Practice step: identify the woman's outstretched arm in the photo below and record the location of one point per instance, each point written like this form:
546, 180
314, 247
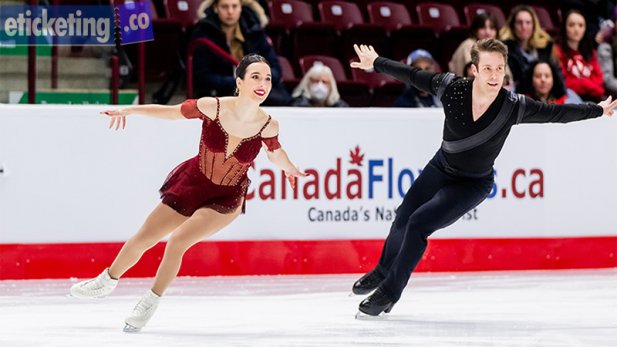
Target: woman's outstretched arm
118, 116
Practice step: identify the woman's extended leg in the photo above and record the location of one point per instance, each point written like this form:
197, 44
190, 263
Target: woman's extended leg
161, 221
203, 223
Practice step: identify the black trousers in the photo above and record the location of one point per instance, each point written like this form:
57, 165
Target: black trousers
438, 198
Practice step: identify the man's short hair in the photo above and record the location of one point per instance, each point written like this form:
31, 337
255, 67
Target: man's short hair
488, 45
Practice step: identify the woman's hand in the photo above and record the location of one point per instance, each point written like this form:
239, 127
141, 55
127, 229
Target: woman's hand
118, 118
608, 105
367, 56
293, 175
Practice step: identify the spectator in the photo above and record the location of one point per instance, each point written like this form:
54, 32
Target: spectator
483, 26
593, 11
526, 40
578, 58
607, 41
411, 96
544, 83
237, 27
318, 89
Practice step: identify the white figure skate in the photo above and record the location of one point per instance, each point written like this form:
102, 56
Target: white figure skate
96, 288
142, 312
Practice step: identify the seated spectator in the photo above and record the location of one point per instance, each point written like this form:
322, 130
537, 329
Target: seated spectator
526, 41
594, 11
483, 26
412, 97
317, 89
607, 43
544, 83
237, 27
578, 58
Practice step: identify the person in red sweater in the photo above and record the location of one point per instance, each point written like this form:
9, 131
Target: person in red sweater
578, 58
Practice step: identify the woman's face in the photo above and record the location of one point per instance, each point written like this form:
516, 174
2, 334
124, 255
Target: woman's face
487, 31
542, 79
257, 81
523, 26
575, 27
319, 86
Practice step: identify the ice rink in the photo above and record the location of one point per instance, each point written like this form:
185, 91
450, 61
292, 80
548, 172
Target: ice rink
530, 308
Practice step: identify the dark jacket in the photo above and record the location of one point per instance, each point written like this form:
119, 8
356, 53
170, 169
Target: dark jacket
213, 74
517, 61
412, 97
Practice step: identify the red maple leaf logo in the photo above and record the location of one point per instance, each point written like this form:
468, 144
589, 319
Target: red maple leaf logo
356, 157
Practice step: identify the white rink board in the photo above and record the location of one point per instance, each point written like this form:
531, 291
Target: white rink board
67, 178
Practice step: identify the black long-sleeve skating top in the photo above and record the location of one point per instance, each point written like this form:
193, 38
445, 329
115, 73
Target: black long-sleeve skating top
459, 123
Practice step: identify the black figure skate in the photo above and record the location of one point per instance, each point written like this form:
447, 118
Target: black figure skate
375, 304
367, 283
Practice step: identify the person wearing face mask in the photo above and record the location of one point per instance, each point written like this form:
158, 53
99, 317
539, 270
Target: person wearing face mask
544, 83
317, 89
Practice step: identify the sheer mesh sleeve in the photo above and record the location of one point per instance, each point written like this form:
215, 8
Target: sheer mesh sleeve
189, 109
272, 143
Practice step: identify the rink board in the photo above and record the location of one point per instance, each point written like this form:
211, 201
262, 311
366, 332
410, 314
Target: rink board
72, 191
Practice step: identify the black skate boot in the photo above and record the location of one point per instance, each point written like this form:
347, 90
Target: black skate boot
367, 283
375, 304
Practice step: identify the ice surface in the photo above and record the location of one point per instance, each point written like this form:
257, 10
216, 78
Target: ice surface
530, 308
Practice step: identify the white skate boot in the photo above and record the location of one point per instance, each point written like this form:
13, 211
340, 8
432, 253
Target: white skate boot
98, 287
142, 312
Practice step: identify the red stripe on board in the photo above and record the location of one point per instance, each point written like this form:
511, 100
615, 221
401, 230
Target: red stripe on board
30, 261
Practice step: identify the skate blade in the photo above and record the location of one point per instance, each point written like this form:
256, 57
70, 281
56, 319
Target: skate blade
130, 329
369, 293
363, 316
69, 295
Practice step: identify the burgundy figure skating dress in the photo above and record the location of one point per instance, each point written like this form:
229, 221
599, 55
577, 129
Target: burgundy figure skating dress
214, 178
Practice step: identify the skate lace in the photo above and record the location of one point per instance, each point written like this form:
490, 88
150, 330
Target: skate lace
142, 307
378, 297
94, 285
372, 277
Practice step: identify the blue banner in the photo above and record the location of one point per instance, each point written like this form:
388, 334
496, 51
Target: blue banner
75, 25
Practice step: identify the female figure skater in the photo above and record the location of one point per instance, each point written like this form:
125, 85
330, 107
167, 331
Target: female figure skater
479, 115
205, 193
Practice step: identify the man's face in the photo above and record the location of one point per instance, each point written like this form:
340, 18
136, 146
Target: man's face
228, 11
490, 71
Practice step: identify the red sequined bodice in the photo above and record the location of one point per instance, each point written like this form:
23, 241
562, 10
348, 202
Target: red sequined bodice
224, 159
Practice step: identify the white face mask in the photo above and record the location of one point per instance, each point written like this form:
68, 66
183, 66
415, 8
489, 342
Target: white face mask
319, 91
